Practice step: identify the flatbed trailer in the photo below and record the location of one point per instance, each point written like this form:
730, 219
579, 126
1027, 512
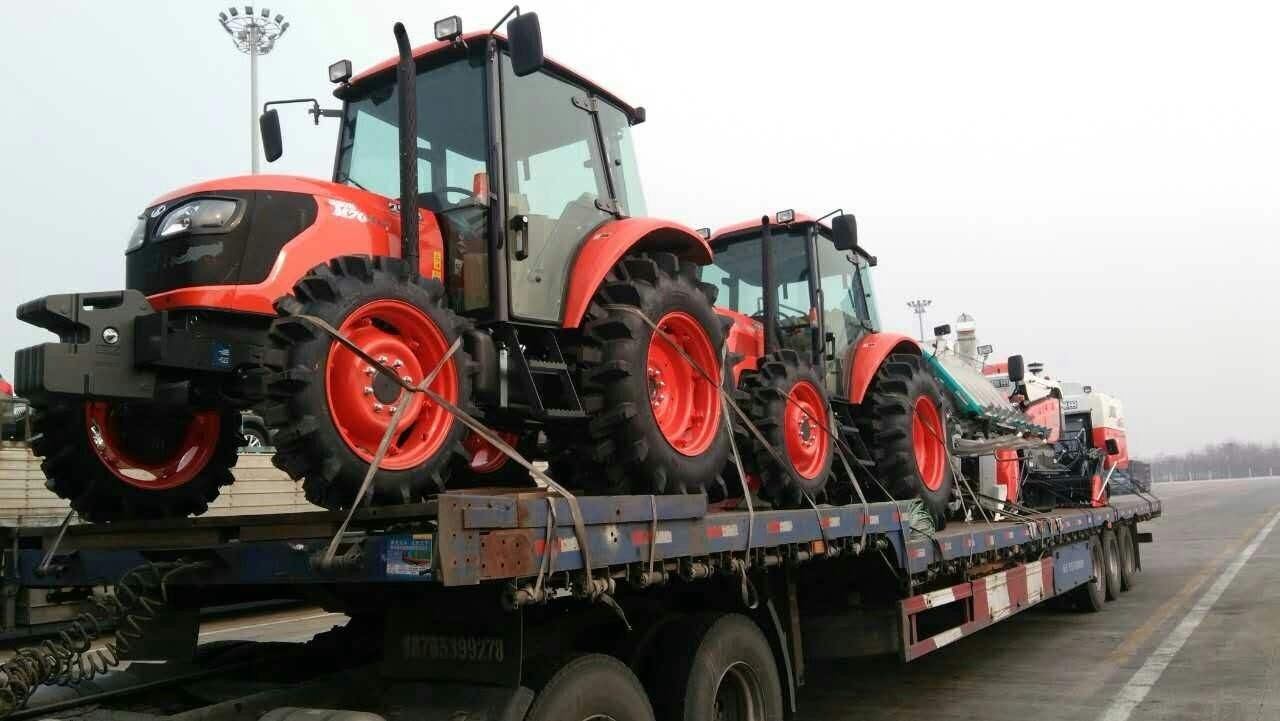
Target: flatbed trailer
482, 605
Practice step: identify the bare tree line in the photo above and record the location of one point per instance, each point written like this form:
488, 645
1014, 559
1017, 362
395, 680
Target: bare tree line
1230, 459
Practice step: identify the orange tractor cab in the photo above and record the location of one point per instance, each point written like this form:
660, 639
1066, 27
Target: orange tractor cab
529, 280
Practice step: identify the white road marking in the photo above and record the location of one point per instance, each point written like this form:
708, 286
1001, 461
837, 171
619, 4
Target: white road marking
1144, 678
269, 623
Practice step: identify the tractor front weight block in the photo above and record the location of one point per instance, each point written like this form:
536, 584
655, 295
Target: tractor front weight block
114, 345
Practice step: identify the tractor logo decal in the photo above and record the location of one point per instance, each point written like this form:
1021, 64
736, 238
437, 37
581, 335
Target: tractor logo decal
155, 213
346, 210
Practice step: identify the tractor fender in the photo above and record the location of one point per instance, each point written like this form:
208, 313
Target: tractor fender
616, 238
868, 355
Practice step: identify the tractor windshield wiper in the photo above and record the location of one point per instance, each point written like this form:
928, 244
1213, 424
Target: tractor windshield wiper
349, 179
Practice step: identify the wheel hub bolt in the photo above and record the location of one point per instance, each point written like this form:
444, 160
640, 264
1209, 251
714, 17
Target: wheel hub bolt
397, 363
406, 379
368, 370
368, 390
377, 407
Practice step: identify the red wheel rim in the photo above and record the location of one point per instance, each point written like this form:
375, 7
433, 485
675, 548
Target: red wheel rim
485, 457
806, 441
685, 405
158, 468
361, 400
926, 441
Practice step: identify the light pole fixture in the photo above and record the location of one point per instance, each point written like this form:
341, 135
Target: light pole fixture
254, 33
920, 306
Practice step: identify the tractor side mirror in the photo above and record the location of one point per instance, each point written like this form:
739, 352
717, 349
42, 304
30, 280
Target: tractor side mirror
1017, 370
272, 145
1112, 447
941, 330
524, 35
844, 232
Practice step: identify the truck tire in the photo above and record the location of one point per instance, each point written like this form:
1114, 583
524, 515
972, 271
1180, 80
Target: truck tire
1128, 557
655, 423
588, 687
1111, 554
1091, 597
902, 419
328, 409
718, 666
783, 397
117, 461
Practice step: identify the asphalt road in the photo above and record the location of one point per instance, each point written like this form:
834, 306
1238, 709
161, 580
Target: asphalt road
1197, 639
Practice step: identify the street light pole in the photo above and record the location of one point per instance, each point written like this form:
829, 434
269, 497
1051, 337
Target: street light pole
253, 34
920, 306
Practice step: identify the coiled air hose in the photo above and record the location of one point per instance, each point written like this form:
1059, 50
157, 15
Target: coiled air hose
69, 658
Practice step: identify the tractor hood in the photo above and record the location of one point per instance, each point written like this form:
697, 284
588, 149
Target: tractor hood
239, 243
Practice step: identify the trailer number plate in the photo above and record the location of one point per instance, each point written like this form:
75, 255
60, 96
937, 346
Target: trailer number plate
410, 555
476, 649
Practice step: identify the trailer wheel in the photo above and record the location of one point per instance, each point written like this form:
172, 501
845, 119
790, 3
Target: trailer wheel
902, 417
787, 401
1092, 596
1111, 554
655, 423
1128, 558
329, 409
719, 667
590, 687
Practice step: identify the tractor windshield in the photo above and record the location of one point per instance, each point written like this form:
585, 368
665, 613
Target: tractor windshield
451, 137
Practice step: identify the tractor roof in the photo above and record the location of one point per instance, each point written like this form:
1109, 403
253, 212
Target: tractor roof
443, 47
752, 226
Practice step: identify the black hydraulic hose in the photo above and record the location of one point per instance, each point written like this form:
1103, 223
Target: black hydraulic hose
407, 90
770, 289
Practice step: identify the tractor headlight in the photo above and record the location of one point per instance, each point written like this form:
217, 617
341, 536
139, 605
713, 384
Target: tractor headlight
139, 235
204, 215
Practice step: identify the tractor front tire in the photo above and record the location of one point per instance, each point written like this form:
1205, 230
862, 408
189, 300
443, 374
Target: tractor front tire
655, 422
123, 461
329, 409
787, 402
902, 419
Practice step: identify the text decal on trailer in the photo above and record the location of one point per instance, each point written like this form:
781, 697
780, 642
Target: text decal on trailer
453, 648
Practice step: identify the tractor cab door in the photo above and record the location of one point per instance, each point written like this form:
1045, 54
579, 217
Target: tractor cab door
567, 163
847, 305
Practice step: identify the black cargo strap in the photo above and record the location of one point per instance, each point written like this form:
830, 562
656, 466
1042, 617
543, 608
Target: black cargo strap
590, 588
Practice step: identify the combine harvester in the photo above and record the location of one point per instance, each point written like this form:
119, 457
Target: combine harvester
529, 312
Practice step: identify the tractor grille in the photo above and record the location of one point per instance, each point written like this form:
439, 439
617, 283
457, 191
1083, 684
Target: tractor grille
241, 256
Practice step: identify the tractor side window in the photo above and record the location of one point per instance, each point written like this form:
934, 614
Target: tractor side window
555, 175
616, 130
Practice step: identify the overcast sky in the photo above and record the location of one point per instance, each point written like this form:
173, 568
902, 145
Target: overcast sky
1097, 183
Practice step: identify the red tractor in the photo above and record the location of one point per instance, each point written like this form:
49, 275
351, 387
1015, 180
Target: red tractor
529, 241
813, 346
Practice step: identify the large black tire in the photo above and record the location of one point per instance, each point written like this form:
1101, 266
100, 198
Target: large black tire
74, 471
309, 445
718, 666
1128, 557
764, 398
624, 450
1111, 555
885, 421
590, 686
1092, 596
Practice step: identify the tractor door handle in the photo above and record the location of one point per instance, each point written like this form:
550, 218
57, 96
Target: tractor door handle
520, 224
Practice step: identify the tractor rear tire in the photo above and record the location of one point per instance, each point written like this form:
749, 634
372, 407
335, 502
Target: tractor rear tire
902, 418
329, 409
125, 461
655, 423
786, 400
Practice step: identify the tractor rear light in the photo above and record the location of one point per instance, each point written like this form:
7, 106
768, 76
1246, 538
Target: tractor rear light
786, 216
448, 28
340, 72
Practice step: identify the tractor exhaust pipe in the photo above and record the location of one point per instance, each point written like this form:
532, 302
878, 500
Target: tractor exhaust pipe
770, 288
407, 91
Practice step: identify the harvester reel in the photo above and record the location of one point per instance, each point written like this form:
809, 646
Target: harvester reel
330, 409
